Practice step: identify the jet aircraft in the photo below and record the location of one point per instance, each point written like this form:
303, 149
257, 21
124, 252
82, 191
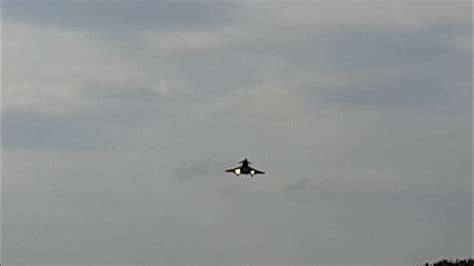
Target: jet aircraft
244, 169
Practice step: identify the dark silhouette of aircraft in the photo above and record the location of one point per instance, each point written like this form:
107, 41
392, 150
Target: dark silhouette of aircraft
244, 169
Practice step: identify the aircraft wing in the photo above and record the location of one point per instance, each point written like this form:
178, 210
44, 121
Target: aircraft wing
258, 171
231, 170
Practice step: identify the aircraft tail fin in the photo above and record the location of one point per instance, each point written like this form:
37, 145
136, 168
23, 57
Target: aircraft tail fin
245, 161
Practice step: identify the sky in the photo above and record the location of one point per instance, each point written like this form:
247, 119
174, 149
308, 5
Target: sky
119, 118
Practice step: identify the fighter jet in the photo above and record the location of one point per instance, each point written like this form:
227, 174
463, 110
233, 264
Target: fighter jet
244, 169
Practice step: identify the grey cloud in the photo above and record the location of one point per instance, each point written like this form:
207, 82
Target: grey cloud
109, 94
297, 185
378, 46
199, 168
384, 66
267, 99
419, 68
113, 112
412, 91
22, 130
118, 15
96, 128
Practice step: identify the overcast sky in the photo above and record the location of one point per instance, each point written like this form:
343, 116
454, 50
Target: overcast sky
119, 118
